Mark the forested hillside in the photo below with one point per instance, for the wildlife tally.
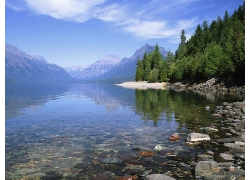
(216, 49)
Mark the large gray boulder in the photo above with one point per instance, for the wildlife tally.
(203, 168)
(226, 157)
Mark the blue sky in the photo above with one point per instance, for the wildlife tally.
(80, 32)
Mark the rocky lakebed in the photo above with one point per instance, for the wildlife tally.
(215, 152)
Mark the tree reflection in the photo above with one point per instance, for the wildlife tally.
(186, 108)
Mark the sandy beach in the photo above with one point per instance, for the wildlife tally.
(142, 85)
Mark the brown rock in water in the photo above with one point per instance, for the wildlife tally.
(174, 137)
(102, 177)
(128, 177)
(147, 153)
(133, 161)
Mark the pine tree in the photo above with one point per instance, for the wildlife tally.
(182, 49)
(139, 71)
(162, 72)
(154, 75)
(156, 58)
(147, 67)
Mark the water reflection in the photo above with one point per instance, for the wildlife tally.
(188, 108)
(70, 129)
(29, 95)
(19, 96)
(108, 95)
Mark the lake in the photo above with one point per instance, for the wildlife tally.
(76, 131)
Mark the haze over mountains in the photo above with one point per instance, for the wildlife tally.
(21, 66)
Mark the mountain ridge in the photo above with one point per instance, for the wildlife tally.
(21, 66)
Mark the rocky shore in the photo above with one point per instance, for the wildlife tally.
(231, 163)
(212, 85)
(228, 134)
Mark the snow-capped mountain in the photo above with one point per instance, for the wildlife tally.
(75, 71)
(99, 67)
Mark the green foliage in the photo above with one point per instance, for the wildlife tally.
(157, 58)
(139, 71)
(162, 72)
(181, 51)
(154, 75)
(217, 49)
(152, 68)
(210, 60)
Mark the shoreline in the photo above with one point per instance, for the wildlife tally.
(212, 85)
(142, 85)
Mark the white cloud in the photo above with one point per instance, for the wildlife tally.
(74, 10)
(149, 19)
(113, 13)
(159, 29)
(149, 29)
(15, 5)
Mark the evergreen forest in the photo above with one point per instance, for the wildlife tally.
(215, 49)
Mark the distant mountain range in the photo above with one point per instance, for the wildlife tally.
(75, 71)
(111, 68)
(21, 66)
(98, 68)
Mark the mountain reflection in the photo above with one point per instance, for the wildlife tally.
(153, 105)
(29, 95)
(110, 96)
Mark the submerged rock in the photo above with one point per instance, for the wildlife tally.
(111, 160)
(102, 177)
(203, 168)
(210, 130)
(235, 148)
(195, 137)
(135, 169)
(128, 177)
(205, 157)
(158, 177)
(158, 148)
(146, 153)
(174, 137)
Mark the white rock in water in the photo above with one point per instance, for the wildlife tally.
(210, 129)
(239, 143)
(158, 148)
(159, 177)
(194, 137)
